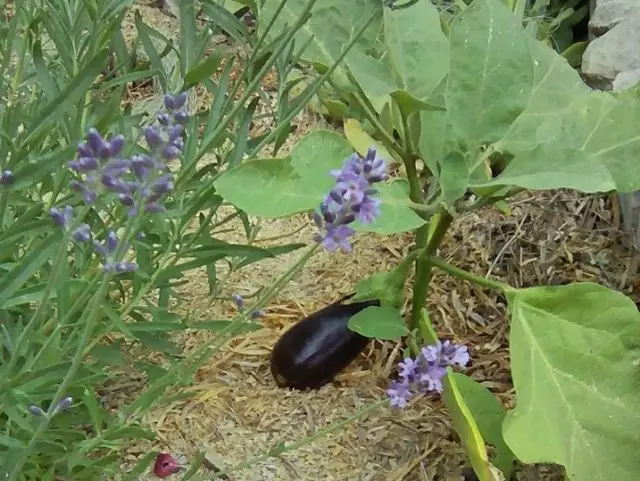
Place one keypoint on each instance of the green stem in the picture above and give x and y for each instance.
(423, 269)
(468, 276)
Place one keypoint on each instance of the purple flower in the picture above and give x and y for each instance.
(142, 180)
(336, 236)
(399, 394)
(425, 372)
(64, 219)
(6, 178)
(351, 199)
(108, 251)
(63, 405)
(82, 233)
(239, 300)
(36, 410)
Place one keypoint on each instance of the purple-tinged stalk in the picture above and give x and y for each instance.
(6, 178)
(240, 304)
(425, 372)
(351, 199)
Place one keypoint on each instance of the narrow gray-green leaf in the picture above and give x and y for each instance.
(27, 267)
(69, 96)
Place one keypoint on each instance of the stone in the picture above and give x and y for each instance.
(612, 53)
(606, 14)
(625, 80)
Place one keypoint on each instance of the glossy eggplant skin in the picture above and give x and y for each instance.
(317, 348)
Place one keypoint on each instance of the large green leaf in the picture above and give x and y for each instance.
(374, 77)
(279, 187)
(576, 380)
(491, 75)
(555, 86)
(332, 25)
(417, 49)
(594, 149)
(414, 61)
(284, 186)
(508, 88)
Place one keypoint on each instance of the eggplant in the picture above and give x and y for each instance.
(312, 352)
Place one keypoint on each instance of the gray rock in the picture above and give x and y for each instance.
(614, 52)
(606, 14)
(625, 80)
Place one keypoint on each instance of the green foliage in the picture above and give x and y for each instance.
(573, 364)
(67, 327)
(478, 94)
(489, 415)
(299, 182)
(379, 322)
(331, 26)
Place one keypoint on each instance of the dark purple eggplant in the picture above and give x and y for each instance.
(317, 348)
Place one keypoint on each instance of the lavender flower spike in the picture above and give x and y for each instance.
(351, 199)
(425, 372)
(141, 181)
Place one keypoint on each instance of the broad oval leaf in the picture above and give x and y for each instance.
(576, 380)
(491, 73)
(383, 322)
(395, 214)
(594, 149)
(299, 183)
(280, 187)
(418, 51)
(330, 28)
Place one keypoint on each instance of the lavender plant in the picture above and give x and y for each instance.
(476, 109)
(96, 217)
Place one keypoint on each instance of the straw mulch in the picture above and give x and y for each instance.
(236, 411)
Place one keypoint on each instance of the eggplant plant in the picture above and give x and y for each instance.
(476, 109)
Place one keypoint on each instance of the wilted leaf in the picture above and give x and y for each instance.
(489, 415)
